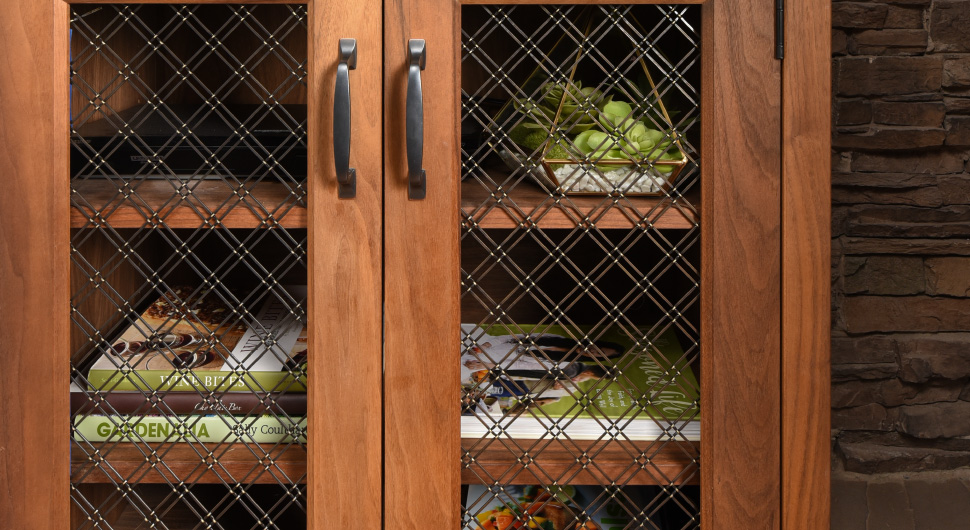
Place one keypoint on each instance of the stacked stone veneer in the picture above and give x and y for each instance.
(901, 260)
(901, 235)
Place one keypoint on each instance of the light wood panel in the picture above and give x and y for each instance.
(344, 373)
(34, 265)
(421, 407)
(740, 277)
(806, 207)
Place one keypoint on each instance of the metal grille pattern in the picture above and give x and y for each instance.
(188, 192)
(576, 277)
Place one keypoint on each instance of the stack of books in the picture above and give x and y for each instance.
(190, 369)
(543, 382)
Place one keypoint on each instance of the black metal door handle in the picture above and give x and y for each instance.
(417, 185)
(346, 175)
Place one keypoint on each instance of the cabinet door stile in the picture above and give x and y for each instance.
(742, 275)
(421, 275)
(344, 392)
(34, 271)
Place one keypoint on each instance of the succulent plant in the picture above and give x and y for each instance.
(591, 125)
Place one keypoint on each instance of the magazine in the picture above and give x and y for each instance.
(192, 343)
(267, 428)
(563, 507)
(551, 381)
(186, 402)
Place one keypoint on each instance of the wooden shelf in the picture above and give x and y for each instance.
(549, 461)
(548, 211)
(183, 462)
(267, 204)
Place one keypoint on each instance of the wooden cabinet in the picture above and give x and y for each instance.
(392, 277)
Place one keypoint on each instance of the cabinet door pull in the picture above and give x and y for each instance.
(346, 175)
(417, 185)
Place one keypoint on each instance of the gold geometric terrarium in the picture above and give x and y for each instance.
(612, 136)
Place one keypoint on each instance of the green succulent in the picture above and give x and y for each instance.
(591, 125)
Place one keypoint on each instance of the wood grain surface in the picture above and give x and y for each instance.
(34, 265)
(421, 402)
(806, 240)
(211, 204)
(344, 376)
(740, 278)
(540, 208)
(555, 462)
(181, 462)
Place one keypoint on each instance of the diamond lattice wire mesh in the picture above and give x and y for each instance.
(580, 266)
(188, 190)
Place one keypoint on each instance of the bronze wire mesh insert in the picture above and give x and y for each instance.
(187, 118)
(580, 293)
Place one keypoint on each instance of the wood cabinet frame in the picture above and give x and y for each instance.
(34, 275)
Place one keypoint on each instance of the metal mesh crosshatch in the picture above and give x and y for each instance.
(189, 242)
(580, 282)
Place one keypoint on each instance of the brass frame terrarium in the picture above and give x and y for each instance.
(595, 133)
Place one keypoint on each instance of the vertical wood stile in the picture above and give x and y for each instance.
(741, 281)
(421, 406)
(344, 372)
(806, 207)
(34, 265)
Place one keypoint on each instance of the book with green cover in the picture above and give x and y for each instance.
(190, 428)
(551, 381)
(197, 343)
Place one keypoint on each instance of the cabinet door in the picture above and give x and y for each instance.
(214, 291)
(594, 338)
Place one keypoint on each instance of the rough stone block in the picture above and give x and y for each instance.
(908, 221)
(936, 420)
(957, 105)
(956, 72)
(891, 181)
(840, 43)
(869, 314)
(853, 246)
(895, 275)
(948, 276)
(935, 162)
(889, 75)
(949, 20)
(859, 15)
(854, 112)
(919, 114)
(866, 371)
(889, 42)
(954, 190)
(856, 350)
(889, 138)
(933, 357)
(958, 130)
(889, 507)
(929, 196)
(904, 17)
(871, 417)
(891, 393)
(875, 457)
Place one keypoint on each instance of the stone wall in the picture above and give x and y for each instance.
(901, 254)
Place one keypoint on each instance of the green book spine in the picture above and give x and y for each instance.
(195, 428)
(210, 381)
